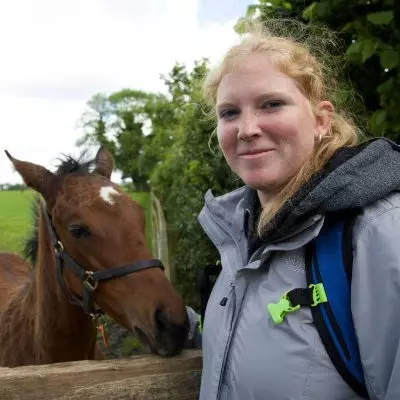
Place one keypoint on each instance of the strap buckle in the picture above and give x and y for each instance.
(89, 281)
(279, 310)
(315, 295)
(318, 294)
(58, 247)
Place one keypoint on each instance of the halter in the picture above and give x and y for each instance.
(90, 279)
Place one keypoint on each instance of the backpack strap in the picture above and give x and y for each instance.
(329, 261)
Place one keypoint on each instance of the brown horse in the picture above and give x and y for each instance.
(89, 255)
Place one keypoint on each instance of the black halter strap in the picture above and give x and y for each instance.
(90, 279)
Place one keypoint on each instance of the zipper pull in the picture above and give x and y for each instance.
(224, 300)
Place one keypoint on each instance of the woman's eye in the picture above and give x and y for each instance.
(273, 104)
(227, 114)
(78, 231)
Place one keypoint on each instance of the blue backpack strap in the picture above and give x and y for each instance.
(329, 261)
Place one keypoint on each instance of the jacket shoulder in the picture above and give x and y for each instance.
(373, 212)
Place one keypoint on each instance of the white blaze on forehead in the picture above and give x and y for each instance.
(107, 193)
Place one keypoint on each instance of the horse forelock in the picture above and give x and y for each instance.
(70, 165)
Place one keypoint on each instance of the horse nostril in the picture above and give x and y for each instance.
(162, 321)
(170, 335)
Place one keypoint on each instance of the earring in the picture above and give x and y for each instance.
(319, 137)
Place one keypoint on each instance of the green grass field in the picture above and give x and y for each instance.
(16, 217)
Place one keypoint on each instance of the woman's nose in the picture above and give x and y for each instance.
(248, 126)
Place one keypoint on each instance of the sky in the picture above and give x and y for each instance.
(56, 54)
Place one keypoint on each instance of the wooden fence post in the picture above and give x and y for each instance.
(160, 235)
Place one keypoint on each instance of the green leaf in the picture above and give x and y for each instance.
(317, 9)
(350, 26)
(387, 87)
(367, 47)
(241, 25)
(356, 27)
(287, 5)
(381, 17)
(390, 59)
(354, 51)
(309, 12)
(273, 3)
(251, 10)
(323, 10)
(377, 122)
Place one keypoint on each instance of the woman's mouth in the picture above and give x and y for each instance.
(254, 153)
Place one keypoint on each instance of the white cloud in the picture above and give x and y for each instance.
(56, 54)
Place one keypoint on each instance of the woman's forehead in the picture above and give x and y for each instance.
(255, 79)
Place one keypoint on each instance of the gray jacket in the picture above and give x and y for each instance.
(246, 356)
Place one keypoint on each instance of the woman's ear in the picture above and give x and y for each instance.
(323, 117)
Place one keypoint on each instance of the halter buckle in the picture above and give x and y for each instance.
(89, 281)
(58, 247)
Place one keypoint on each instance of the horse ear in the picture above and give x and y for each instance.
(104, 162)
(35, 176)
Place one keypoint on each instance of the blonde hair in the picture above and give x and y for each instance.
(300, 52)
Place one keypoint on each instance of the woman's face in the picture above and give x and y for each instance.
(266, 126)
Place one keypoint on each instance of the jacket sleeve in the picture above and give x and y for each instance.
(376, 302)
(194, 339)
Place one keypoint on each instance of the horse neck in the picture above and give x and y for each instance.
(63, 332)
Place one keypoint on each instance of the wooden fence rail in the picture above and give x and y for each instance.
(145, 377)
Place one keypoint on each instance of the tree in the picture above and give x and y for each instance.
(188, 170)
(134, 126)
(371, 35)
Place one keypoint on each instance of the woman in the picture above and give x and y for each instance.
(300, 160)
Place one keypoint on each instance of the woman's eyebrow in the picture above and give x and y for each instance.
(223, 105)
(272, 95)
(262, 96)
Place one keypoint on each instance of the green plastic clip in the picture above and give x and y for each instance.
(279, 310)
(200, 326)
(319, 295)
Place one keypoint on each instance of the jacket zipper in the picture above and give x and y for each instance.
(232, 297)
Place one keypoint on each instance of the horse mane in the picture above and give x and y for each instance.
(32, 242)
(67, 165)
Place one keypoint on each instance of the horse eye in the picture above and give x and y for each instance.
(78, 231)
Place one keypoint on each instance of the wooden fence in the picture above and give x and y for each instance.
(145, 377)
(160, 236)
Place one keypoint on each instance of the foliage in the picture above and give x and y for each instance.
(134, 126)
(371, 34)
(13, 186)
(189, 168)
(119, 341)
